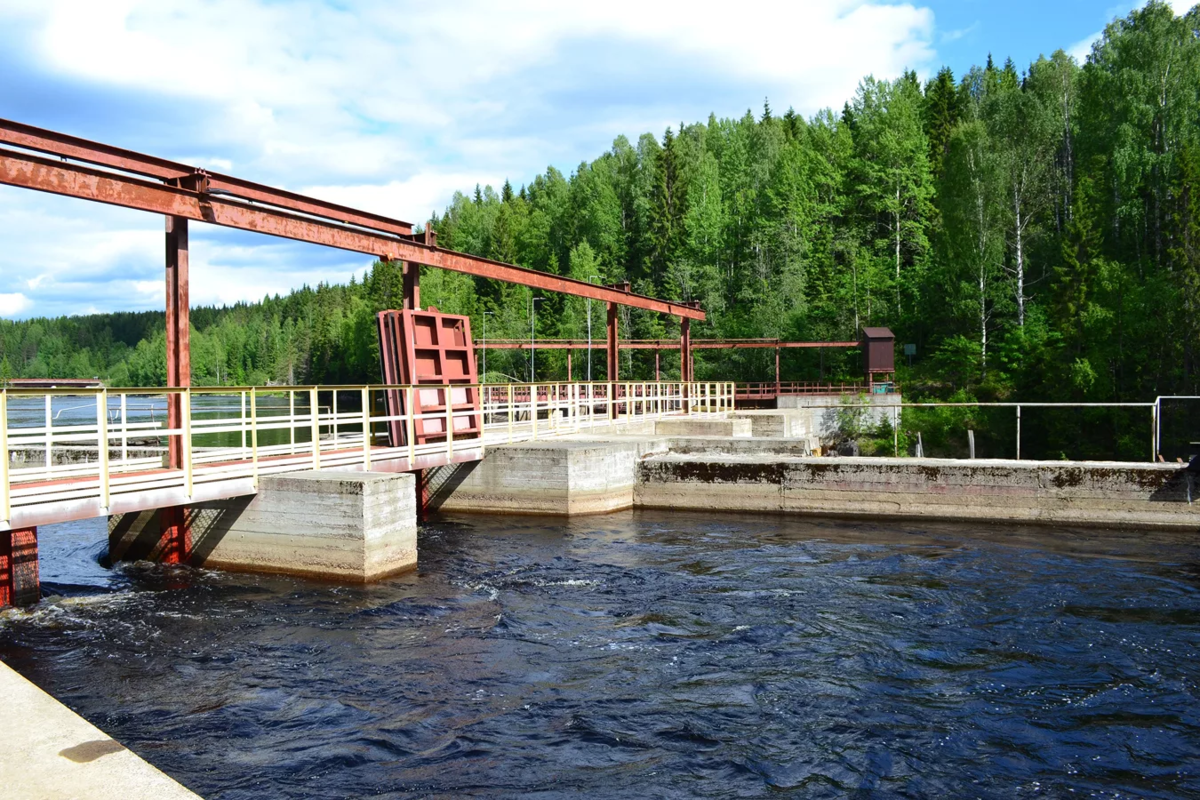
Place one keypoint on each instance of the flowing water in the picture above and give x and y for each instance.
(648, 654)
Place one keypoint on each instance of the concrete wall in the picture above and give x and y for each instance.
(356, 526)
(822, 410)
(1073, 493)
(564, 476)
(703, 426)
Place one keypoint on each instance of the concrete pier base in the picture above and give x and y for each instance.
(19, 578)
(349, 526)
(558, 477)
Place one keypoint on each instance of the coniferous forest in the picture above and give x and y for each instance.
(1034, 231)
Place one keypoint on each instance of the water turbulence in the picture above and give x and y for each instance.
(648, 654)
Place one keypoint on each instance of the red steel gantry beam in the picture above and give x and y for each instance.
(232, 203)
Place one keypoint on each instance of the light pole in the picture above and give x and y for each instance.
(533, 301)
(589, 313)
(486, 314)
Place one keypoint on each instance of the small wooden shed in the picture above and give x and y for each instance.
(879, 354)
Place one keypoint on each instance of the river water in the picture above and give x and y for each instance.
(645, 654)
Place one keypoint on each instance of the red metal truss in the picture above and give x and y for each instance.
(193, 194)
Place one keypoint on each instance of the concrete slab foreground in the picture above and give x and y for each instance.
(51, 753)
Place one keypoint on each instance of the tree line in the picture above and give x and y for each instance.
(1035, 233)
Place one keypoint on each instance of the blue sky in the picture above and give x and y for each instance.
(392, 106)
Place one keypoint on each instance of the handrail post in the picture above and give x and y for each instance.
(124, 427)
(5, 503)
(49, 426)
(102, 446)
(366, 428)
(1158, 425)
(410, 427)
(315, 428)
(449, 423)
(186, 404)
(533, 409)
(1018, 432)
(512, 412)
(292, 422)
(1153, 428)
(242, 422)
(254, 436)
(335, 419)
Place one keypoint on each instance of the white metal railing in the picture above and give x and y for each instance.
(894, 411)
(123, 441)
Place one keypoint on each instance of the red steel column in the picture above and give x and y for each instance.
(412, 287)
(19, 583)
(614, 366)
(568, 365)
(175, 535)
(685, 349)
(777, 372)
(173, 532)
(179, 360)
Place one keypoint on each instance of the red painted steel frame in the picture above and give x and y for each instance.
(290, 216)
(179, 360)
(175, 535)
(434, 349)
(19, 580)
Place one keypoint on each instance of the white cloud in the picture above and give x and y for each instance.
(13, 304)
(393, 106)
(1083, 48)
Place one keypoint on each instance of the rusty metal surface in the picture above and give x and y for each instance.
(73, 147)
(659, 344)
(179, 360)
(24, 170)
(430, 349)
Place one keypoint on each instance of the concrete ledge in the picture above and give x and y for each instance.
(565, 476)
(703, 427)
(721, 446)
(783, 424)
(358, 526)
(50, 752)
(1076, 493)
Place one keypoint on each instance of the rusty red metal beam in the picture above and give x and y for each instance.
(88, 183)
(656, 344)
(192, 198)
(73, 147)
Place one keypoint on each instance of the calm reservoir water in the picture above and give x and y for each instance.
(648, 655)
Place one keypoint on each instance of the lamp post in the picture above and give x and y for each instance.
(589, 313)
(486, 314)
(533, 301)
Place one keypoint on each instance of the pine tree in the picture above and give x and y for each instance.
(943, 110)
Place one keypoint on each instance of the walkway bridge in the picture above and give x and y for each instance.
(69, 454)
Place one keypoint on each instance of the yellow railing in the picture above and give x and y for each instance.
(88, 448)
